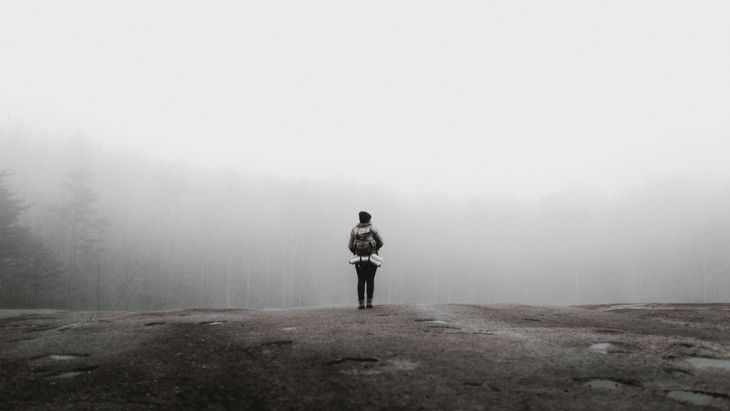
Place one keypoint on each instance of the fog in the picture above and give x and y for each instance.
(516, 100)
(177, 154)
(155, 236)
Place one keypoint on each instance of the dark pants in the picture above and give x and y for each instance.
(365, 274)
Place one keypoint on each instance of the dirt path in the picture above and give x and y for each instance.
(442, 357)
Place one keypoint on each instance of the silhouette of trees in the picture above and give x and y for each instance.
(183, 237)
(30, 275)
(83, 228)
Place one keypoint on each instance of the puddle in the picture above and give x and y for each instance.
(361, 372)
(64, 375)
(66, 357)
(603, 384)
(709, 362)
(282, 342)
(87, 369)
(601, 347)
(692, 397)
(607, 331)
(403, 365)
(371, 366)
(433, 321)
(71, 327)
(341, 360)
(213, 322)
(21, 326)
(677, 373)
(446, 327)
(20, 339)
(155, 323)
(50, 375)
(289, 328)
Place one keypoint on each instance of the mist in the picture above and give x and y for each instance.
(171, 154)
(459, 99)
(160, 236)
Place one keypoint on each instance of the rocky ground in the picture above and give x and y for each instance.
(391, 357)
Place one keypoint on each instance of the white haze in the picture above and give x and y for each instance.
(466, 98)
(177, 237)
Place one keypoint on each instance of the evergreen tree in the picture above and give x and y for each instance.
(11, 208)
(84, 227)
(30, 276)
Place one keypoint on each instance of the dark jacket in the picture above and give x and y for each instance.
(376, 236)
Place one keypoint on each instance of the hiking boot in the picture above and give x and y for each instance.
(361, 304)
(370, 303)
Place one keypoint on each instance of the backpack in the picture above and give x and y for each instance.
(364, 241)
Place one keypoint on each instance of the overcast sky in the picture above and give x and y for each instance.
(501, 98)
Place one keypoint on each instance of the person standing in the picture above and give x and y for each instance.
(364, 241)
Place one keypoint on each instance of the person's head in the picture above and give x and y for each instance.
(364, 216)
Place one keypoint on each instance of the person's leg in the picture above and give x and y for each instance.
(371, 284)
(361, 279)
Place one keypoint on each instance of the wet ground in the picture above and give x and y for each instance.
(391, 357)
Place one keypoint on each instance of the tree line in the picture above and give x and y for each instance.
(86, 228)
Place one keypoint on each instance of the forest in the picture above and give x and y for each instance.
(89, 228)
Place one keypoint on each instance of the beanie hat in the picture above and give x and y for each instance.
(364, 216)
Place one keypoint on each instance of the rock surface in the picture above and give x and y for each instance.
(391, 357)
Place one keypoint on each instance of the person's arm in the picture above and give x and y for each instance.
(378, 239)
(351, 243)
